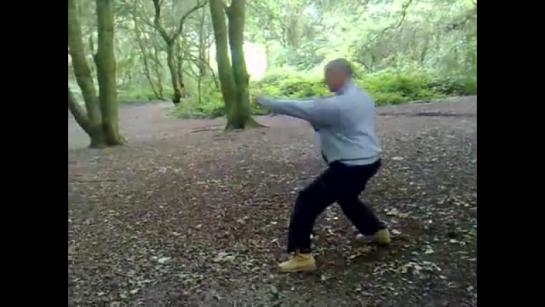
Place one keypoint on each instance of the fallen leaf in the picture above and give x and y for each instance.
(428, 250)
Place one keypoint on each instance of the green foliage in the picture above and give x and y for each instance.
(455, 85)
(390, 87)
(289, 83)
(211, 104)
(386, 87)
(400, 50)
(136, 94)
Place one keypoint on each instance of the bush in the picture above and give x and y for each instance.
(386, 87)
(454, 85)
(137, 94)
(290, 84)
(211, 103)
(390, 87)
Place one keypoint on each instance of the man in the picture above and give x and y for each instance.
(345, 123)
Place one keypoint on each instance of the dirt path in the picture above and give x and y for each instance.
(186, 214)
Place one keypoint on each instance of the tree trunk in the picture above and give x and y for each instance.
(227, 81)
(147, 70)
(234, 80)
(267, 54)
(143, 51)
(158, 67)
(180, 67)
(170, 41)
(105, 60)
(202, 46)
(172, 68)
(82, 71)
(240, 114)
(78, 112)
(91, 119)
(93, 130)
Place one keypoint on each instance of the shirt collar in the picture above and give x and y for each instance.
(347, 85)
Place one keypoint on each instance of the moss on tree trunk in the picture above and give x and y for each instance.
(106, 66)
(171, 63)
(89, 119)
(93, 129)
(82, 71)
(233, 79)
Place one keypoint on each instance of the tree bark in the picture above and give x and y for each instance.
(233, 79)
(78, 112)
(227, 81)
(158, 68)
(170, 41)
(172, 68)
(106, 69)
(180, 52)
(143, 51)
(82, 71)
(92, 129)
(240, 115)
(202, 46)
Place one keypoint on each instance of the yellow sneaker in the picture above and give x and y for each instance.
(298, 262)
(382, 237)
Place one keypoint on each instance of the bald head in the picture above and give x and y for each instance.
(337, 72)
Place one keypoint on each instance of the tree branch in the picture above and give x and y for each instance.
(404, 9)
(195, 59)
(157, 21)
(184, 17)
(78, 112)
(132, 7)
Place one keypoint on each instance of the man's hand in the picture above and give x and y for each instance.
(260, 100)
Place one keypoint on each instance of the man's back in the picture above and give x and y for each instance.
(352, 138)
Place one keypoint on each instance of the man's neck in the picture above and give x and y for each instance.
(347, 84)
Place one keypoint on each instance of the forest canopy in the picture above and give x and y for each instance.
(401, 50)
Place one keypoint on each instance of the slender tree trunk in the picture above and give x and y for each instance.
(227, 81)
(180, 67)
(147, 70)
(94, 131)
(145, 59)
(82, 71)
(241, 113)
(202, 47)
(79, 113)
(170, 40)
(267, 54)
(91, 119)
(158, 67)
(234, 80)
(106, 67)
(424, 53)
(172, 68)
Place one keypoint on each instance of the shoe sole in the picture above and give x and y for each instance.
(303, 269)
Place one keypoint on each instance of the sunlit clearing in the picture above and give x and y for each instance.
(255, 56)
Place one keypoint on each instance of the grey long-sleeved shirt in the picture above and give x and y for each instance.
(345, 123)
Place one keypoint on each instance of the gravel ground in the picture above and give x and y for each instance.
(186, 214)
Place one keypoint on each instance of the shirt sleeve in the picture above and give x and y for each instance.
(319, 112)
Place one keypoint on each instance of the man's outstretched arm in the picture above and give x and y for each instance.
(320, 112)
